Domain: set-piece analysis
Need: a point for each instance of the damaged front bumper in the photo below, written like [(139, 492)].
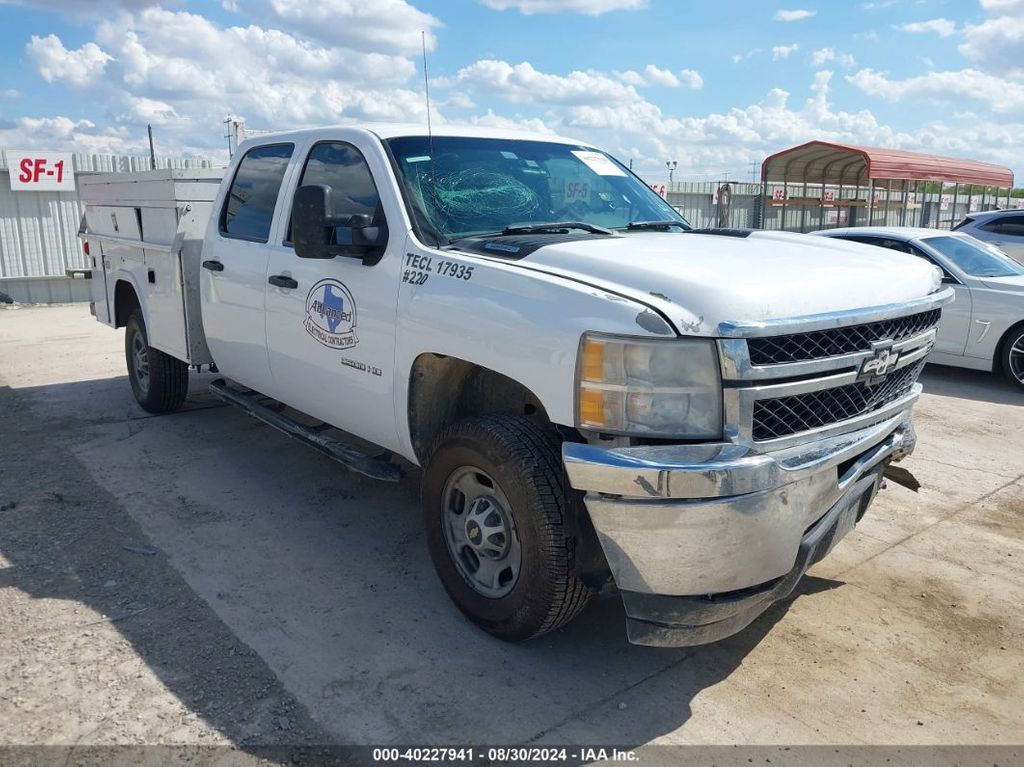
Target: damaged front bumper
[(701, 539)]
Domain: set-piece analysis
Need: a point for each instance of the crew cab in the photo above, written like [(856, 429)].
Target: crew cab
[(601, 399)]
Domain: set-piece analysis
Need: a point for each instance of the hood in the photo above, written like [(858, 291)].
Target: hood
[(701, 280), (1014, 284)]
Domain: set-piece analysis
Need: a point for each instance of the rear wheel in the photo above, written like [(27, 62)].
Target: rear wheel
[(159, 381), (495, 505), (1013, 355)]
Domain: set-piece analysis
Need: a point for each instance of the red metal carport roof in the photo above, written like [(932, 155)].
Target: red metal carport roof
[(822, 162)]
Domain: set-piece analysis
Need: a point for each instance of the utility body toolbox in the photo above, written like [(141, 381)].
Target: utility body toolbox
[(147, 229)]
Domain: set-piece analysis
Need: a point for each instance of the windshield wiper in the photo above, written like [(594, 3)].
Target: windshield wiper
[(556, 227), (639, 225)]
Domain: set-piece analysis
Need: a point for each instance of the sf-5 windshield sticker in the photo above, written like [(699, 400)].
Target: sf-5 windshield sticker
[(331, 315), (599, 163)]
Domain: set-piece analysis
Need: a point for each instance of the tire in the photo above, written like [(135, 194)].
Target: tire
[(159, 381), (524, 463), (1011, 355)]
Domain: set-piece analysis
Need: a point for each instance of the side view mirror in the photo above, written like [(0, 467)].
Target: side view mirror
[(316, 234)]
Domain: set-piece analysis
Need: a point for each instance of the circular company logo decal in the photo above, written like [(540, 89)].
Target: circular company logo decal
[(331, 315)]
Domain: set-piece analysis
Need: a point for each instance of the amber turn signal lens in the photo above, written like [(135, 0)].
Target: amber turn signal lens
[(592, 407), (593, 360)]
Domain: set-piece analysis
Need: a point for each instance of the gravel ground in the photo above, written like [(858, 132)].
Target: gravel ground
[(200, 579)]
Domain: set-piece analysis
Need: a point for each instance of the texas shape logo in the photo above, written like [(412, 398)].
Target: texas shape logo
[(331, 315)]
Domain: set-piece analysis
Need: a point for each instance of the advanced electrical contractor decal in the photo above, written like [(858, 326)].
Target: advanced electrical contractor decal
[(331, 315)]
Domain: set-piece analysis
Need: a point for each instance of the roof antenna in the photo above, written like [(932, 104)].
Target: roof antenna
[(426, 91), (430, 132)]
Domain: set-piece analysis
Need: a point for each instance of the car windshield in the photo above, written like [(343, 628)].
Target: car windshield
[(975, 258), (458, 187)]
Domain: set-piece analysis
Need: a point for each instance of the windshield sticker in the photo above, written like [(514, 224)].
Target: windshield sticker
[(576, 190), (532, 163), (510, 155), (421, 158), (599, 163), (331, 315)]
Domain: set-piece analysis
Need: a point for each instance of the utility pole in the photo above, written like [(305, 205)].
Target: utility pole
[(152, 152), (671, 165)]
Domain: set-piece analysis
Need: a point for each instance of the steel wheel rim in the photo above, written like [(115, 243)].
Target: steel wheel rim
[(1017, 358), (480, 532), (140, 362)]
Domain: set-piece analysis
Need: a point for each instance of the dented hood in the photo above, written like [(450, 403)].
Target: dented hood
[(701, 280)]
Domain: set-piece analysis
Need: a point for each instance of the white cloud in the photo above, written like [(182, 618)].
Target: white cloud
[(662, 77), (997, 43), (794, 15), (826, 55), (691, 79), (492, 120), (10, 93), (942, 27), (55, 62), (381, 26), (996, 93), (740, 57), (588, 7), (523, 84), (784, 51), (870, 36), (652, 75)]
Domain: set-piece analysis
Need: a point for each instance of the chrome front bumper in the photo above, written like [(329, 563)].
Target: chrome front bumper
[(706, 523)]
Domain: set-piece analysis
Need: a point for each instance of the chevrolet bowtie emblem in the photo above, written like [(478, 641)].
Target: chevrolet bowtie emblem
[(882, 362)]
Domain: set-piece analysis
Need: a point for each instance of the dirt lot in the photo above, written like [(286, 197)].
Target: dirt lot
[(199, 578)]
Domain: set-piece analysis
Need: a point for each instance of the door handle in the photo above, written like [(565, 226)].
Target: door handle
[(281, 281), (213, 266)]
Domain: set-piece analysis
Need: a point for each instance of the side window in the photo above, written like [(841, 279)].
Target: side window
[(249, 208), (947, 278), (343, 168), (1013, 225)]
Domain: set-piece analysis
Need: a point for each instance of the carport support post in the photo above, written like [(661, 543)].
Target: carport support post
[(906, 199), (803, 208), (764, 204), (956, 201), (871, 201)]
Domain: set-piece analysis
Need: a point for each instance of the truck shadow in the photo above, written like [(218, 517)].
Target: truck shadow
[(283, 601)]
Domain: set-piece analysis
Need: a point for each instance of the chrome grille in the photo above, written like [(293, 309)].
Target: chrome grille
[(783, 416), (820, 344)]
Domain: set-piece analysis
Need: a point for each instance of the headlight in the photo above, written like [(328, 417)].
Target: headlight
[(649, 387)]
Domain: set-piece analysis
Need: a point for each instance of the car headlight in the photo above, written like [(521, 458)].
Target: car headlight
[(670, 388)]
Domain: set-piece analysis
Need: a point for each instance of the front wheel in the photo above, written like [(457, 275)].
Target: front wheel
[(159, 381), (1013, 355), (495, 506)]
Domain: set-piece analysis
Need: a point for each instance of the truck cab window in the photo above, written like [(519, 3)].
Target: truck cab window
[(343, 168), (249, 208)]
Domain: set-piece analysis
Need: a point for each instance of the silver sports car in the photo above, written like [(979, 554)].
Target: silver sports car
[(983, 328)]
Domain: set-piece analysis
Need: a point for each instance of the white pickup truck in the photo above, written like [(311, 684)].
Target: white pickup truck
[(600, 398)]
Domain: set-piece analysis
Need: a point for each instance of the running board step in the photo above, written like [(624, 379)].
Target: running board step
[(377, 467)]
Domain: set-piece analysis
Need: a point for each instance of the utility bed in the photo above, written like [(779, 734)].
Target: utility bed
[(147, 229)]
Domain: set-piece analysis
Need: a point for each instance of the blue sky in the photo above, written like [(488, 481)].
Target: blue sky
[(715, 86)]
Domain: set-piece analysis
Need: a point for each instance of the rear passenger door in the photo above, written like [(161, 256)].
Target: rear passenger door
[(234, 273), (1007, 234), (331, 322)]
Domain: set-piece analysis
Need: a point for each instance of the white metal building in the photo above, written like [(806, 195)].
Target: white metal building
[(39, 246)]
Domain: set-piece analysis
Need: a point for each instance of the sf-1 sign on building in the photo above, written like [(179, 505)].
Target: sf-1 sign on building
[(41, 171)]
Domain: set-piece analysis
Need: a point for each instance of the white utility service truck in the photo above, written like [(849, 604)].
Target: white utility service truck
[(601, 398)]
